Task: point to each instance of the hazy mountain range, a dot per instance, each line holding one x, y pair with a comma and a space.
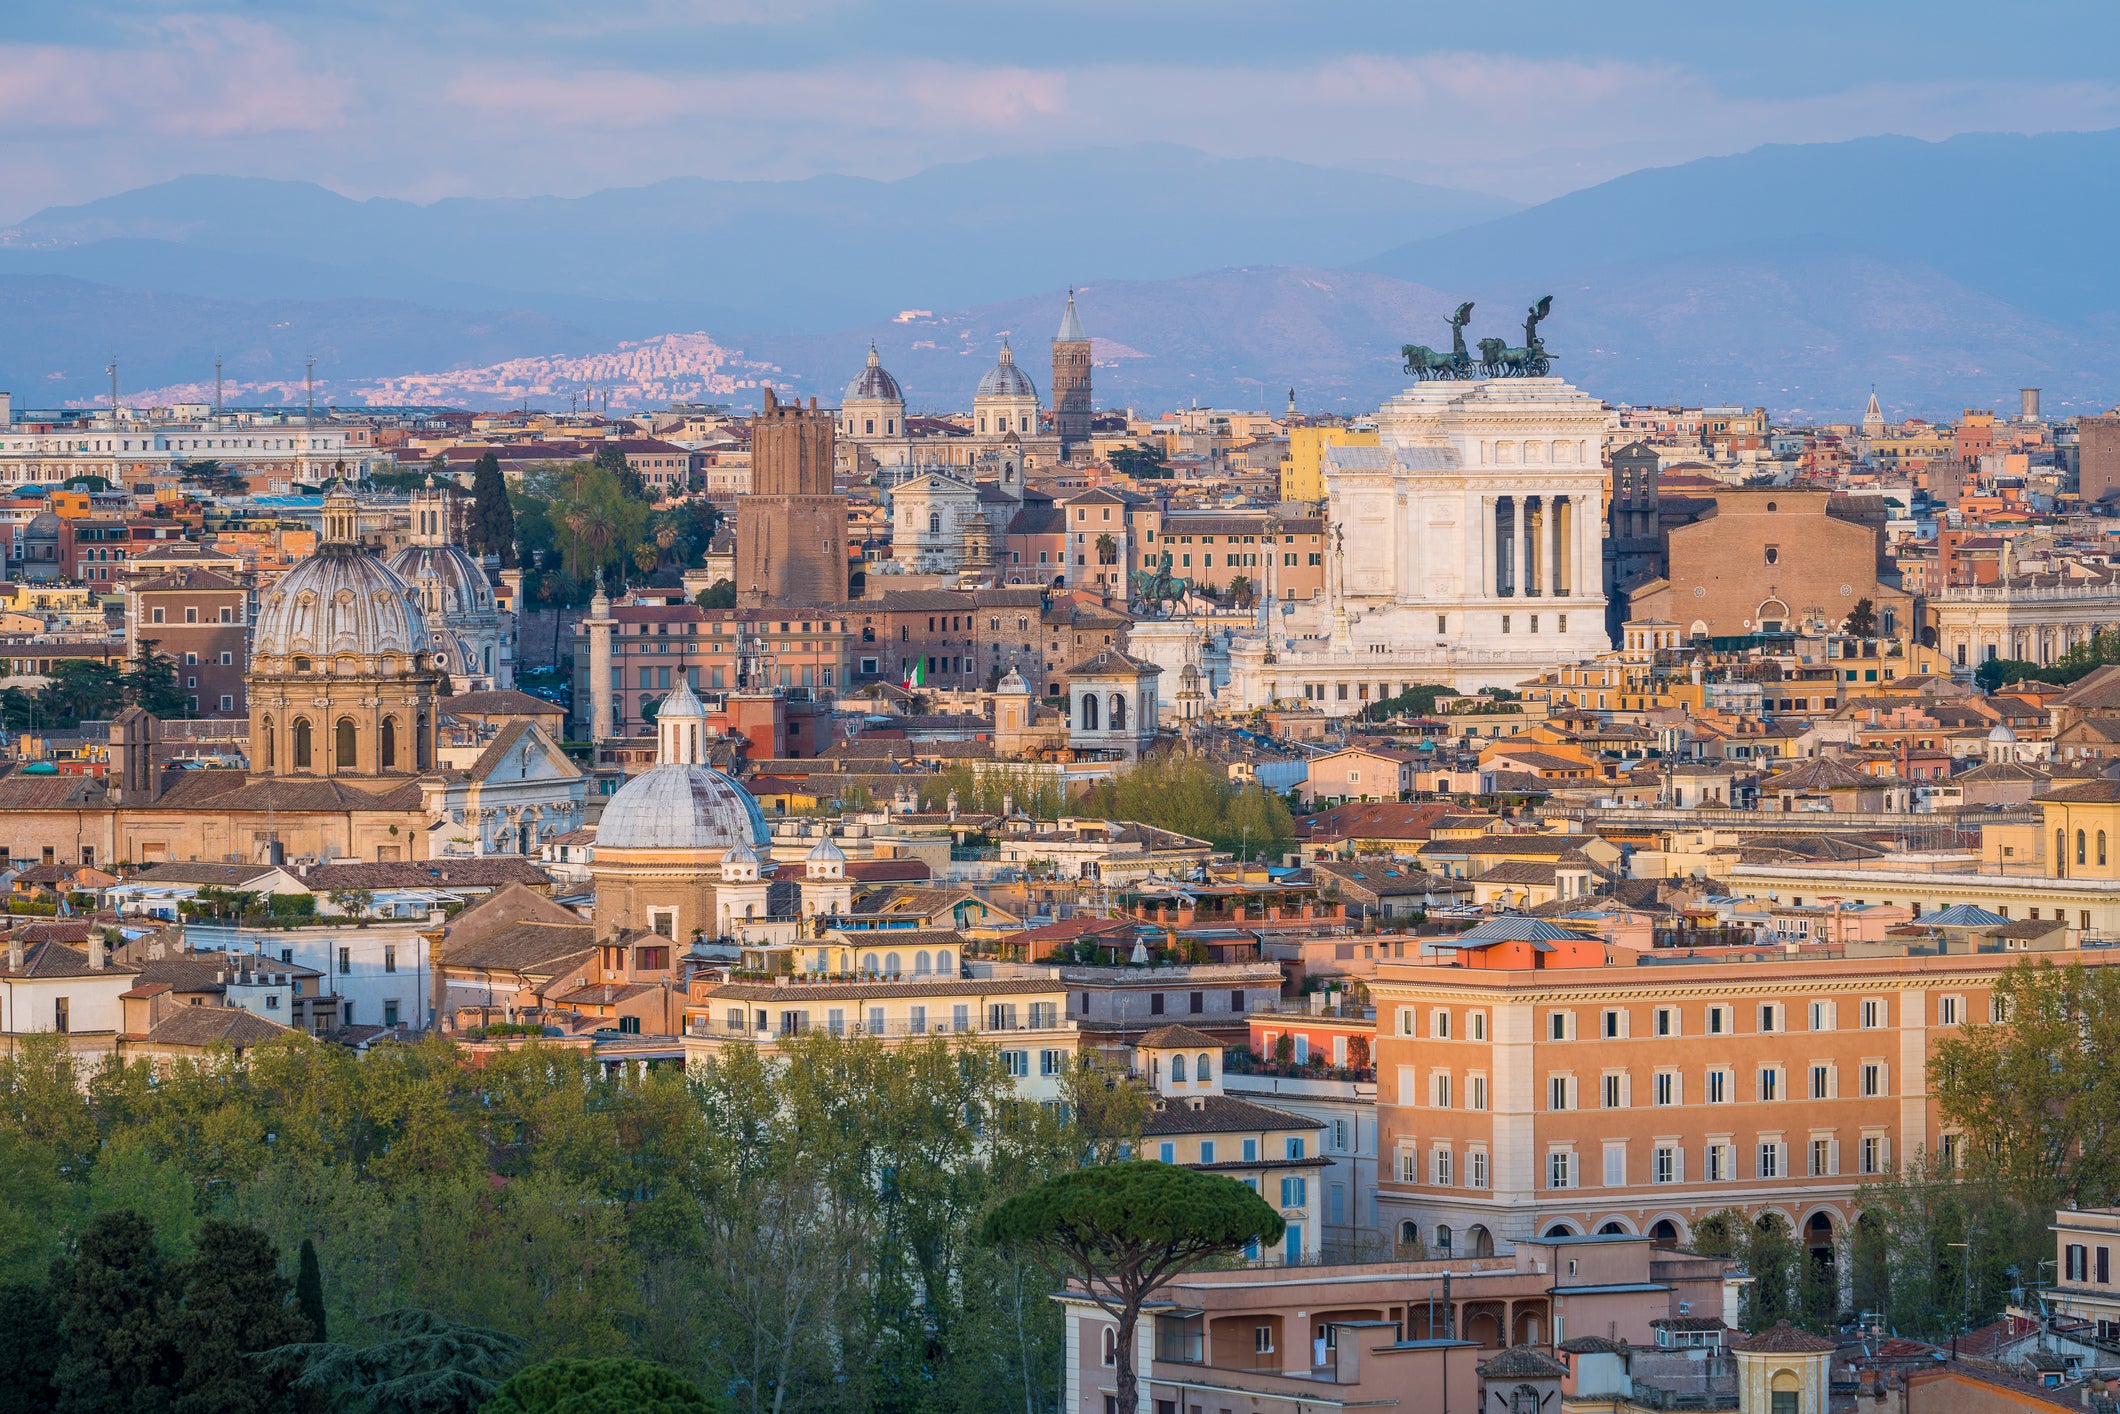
1945, 273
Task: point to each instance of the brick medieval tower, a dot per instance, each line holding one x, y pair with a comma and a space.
791, 531
1071, 383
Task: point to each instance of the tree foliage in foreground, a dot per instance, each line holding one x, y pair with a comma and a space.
787, 1237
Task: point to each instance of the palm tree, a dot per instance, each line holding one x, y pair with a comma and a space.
647, 557
1107, 550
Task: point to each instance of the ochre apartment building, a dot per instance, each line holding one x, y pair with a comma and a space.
1639, 1097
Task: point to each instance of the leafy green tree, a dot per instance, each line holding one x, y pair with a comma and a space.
30, 1346
234, 1305
721, 594
1142, 463
113, 1298
419, 1363
491, 529
2036, 1092
613, 459
1196, 797
1861, 620
1418, 701
80, 688
594, 522
151, 682
1126, 1230
614, 1386
309, 1292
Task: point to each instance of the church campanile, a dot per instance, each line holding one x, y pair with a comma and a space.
791, 531
1071, 373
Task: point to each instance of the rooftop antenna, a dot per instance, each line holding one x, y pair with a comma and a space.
113, 372
216, 385
309, 393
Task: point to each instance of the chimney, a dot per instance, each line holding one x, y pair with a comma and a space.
96, 951
14, 954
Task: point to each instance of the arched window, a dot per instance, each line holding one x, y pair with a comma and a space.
2079, 846
922, 963
868, 963
1204, 1067
1177, 1070
1089, 711
890, 963
1442, 1237
934, 523
386, 744
944, 965
301, 743
265, 744
1118, 712
420, 748
1409, 1233
2101, 846
1111, 1345
345, 745
2060, 849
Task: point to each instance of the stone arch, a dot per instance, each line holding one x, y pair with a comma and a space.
1770, 611
387, 744
1668, 1230
301, 756
1204, 1066
1089, 712
1479, 1242
1561, 1229
1614, 1227
345, 745
266, 744
1118, 717
1177, 1069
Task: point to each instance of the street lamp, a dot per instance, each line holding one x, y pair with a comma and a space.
1965, 1315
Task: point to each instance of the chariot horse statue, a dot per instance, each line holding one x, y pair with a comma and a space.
1424, 362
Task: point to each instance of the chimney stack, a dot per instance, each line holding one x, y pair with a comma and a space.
96, 950
2027, 404
14, 954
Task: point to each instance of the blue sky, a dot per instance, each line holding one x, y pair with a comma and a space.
515, 97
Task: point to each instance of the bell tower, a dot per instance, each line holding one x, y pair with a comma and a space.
1071, 390
791, 531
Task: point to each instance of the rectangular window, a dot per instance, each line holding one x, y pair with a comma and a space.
390, 1013
1409, 1166
1770, 1083
1439, 1088
1444, 1167
345, 961
1873, 1153
1560, 1169
1559, 1025
1615, 1166
389, 958
1821, 1082
1167, 1152
1559, 1092
1611, 1025
1718, 1020
1947, 1011
876, 1026
1664, 1167
1476, 1169
1770, 1016
1770, 1161
1441, 1025
1823, 1016
1478, 1023
1295, 1191
2075, 1262
1720, 1167
1718, 1084
1823, 1163
1295, 1147
1873, 1014
1613, 1088
1476, 1091
1667, 1021
1873, 1083
1667, 1087
1207, 1151
1251, 1151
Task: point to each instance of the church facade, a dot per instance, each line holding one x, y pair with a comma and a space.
1466, 550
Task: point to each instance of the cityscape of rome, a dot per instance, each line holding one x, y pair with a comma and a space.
801, 709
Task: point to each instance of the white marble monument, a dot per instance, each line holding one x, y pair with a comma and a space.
1466, 551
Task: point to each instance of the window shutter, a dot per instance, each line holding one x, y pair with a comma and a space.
1409, 1086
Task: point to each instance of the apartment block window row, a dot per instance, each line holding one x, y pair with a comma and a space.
1443, 1024
1442, 1168
1819, 1158
1718, 1019
1615, 1088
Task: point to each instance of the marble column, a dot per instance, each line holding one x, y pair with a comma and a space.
1534, 534
1563, 557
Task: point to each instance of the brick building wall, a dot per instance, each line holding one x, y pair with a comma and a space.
200, 621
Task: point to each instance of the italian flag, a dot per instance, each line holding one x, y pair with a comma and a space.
915, 674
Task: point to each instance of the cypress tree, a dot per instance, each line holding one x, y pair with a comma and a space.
30, 1345
309, 1291
113, 1299
492, 528
234, 1304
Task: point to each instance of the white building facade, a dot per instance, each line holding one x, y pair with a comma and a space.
1467, 550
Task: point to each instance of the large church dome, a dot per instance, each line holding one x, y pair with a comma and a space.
1005, 380
445, 577
682, 803
874, 383
342, 599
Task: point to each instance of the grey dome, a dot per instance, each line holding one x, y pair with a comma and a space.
682, 807
874, 383
1005, 380
446, 578
341, 599
825, 852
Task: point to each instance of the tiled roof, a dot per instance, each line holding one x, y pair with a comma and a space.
214, 1025
1219, 1114
217, 875
1522, 1362
1178, 1038
507, 702
59, 960
488, 871
546, 949
1784, 1339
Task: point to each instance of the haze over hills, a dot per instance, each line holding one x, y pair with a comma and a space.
1792, 276
791, 257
